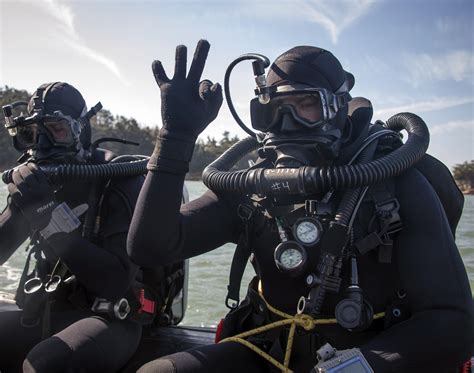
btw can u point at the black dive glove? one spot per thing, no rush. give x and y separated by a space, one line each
33 195
187 107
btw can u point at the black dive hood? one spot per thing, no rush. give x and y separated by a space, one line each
308 180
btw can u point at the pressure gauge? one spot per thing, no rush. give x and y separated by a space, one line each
307 231
290 257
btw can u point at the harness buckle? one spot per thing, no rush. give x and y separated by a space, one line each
245 211
387 211
230 303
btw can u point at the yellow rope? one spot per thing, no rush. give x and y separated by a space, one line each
263 354
302 320
289 345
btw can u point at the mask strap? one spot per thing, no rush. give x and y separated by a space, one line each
86 117
93 111
344 86
41 93
38 100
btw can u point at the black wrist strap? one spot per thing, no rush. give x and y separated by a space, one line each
174 149
172 153
167 165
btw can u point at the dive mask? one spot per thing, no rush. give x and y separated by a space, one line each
61 130
309 107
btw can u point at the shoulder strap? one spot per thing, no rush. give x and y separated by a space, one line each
241 256
386 211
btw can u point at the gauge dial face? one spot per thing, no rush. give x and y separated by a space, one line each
307 232
291 258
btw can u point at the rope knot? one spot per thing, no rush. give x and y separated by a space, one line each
305 321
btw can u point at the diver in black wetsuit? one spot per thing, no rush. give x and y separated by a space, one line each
75 268
384 274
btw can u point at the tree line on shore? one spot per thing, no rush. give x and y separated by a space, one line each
106 124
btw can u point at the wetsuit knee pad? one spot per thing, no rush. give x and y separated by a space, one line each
50 355
159 365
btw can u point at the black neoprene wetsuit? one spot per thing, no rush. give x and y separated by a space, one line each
434 334
78 339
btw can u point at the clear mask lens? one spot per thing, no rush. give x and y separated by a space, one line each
59 130
304 107
309 109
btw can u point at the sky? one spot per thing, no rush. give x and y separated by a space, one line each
406 55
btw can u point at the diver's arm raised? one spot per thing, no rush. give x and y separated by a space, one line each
188 106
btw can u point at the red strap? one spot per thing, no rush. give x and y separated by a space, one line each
466 368
217 338
147 305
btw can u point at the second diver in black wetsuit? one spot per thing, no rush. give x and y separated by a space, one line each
379 278
76 273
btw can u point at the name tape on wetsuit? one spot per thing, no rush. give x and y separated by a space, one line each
63 219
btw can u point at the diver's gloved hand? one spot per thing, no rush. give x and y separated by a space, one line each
33 195
187 107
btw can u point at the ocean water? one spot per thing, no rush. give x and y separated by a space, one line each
209 273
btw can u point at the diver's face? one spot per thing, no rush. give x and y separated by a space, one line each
307 107
59 132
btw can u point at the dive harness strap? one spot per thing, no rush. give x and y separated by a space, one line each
241 256
25 275
387 212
